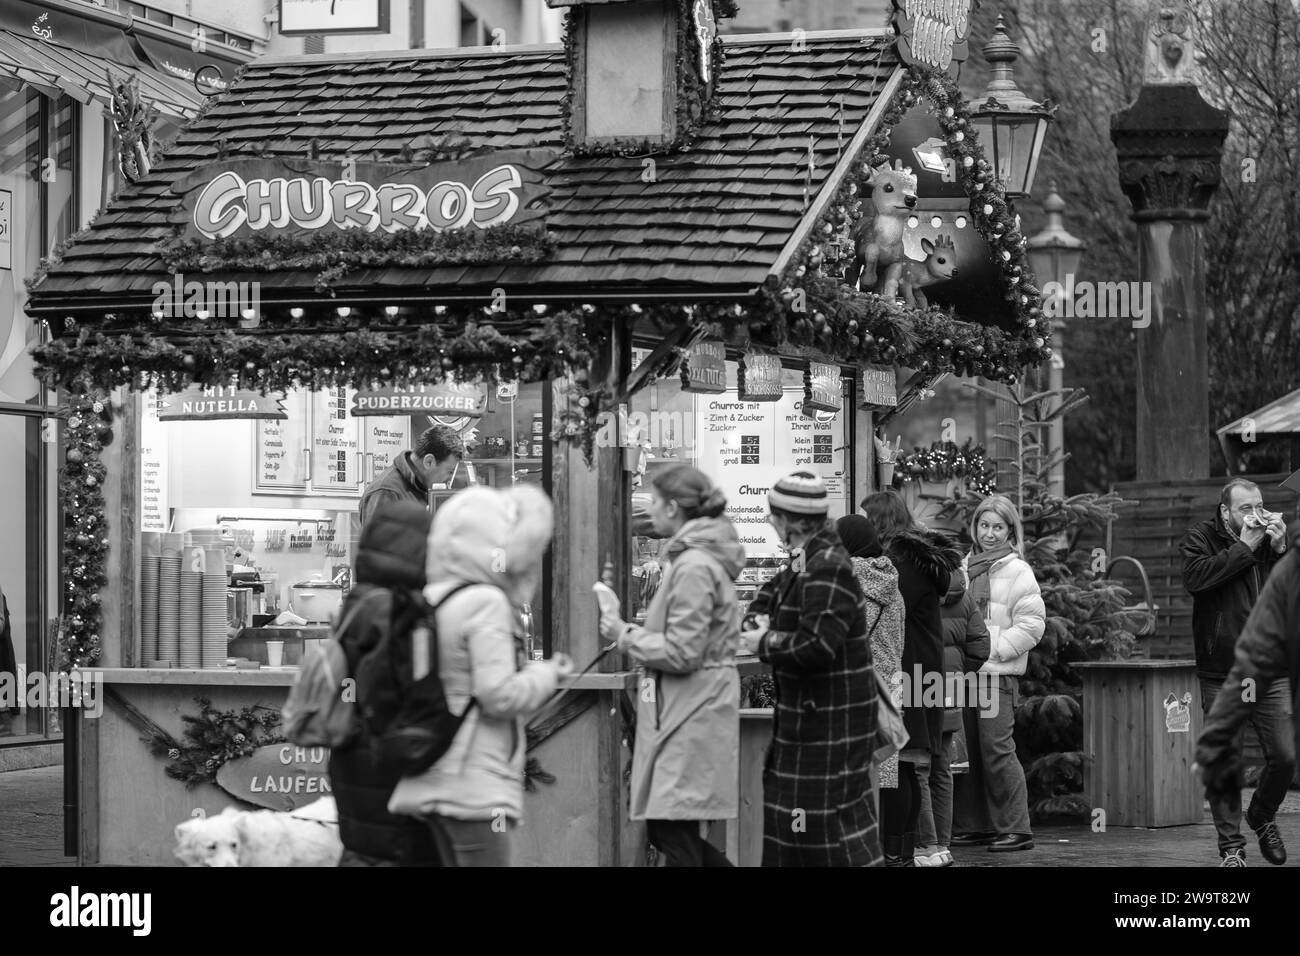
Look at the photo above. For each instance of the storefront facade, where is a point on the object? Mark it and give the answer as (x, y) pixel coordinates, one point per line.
(588, 289)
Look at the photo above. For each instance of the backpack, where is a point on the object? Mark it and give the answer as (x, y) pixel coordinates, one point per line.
(399, 690)
(320, 711)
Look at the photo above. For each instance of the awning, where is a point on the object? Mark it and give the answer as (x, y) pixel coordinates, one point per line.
(181, 64)
(1279, 417)
(84, 76)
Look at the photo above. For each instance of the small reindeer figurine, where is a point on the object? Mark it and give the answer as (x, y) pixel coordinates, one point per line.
(940, 263)
(879, 242)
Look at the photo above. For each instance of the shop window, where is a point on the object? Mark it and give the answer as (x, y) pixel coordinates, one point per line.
(744, 447)
(282, 495)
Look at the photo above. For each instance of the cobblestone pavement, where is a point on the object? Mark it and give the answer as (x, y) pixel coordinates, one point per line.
(31, 834)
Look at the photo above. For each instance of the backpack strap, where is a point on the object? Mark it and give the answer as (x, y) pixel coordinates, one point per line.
(433, 613)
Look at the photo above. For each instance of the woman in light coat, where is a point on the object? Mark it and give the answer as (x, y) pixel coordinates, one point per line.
(992, 802)
(685, 763)
(484, 564)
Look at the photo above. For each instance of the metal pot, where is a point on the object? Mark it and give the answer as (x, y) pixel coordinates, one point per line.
(317, 601)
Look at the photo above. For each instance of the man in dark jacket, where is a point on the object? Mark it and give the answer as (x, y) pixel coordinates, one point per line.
(1268, 652)
(433, 461)
(390, 559)
(1225, 563)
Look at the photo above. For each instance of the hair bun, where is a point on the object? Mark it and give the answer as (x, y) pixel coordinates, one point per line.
(714, 502)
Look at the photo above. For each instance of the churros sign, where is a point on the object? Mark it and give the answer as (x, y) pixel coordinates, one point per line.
(281, 195)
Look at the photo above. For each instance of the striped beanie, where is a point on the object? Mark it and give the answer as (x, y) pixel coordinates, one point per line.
(801, 493)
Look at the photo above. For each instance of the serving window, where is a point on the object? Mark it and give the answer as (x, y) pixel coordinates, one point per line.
(743, 446)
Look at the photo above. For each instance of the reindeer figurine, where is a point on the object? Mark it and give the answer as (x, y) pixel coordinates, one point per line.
(940, 263)
(879, 243)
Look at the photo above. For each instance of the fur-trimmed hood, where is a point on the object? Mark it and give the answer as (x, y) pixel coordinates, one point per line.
(932, 553)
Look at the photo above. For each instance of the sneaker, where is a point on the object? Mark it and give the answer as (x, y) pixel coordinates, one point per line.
(1271, 846)
(1235, 858)
(928, 859)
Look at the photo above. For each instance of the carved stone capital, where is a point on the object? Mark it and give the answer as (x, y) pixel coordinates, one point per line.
(1169, 187)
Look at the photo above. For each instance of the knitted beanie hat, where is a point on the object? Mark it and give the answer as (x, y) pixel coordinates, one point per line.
(801, 493)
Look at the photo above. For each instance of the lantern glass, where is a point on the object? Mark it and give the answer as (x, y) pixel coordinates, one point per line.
(1012, 143)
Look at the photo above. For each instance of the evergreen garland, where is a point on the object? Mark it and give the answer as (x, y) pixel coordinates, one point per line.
(85, 536)
(214, 738)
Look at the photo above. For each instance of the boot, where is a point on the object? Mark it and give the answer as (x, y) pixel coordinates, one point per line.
(898, 851)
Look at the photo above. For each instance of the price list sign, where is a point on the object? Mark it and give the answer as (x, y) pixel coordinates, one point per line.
(822, 449)
(751, 452)
(335, 442)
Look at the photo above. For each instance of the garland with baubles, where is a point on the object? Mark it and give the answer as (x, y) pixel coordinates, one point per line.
(88, 428)
(694, 106)
(945, 460)
(214, 738)
(850, 323)
(336, 254)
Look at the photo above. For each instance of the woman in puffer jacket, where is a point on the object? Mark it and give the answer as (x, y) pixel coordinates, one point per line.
(992, 801)
(484, 563)
(686, 762)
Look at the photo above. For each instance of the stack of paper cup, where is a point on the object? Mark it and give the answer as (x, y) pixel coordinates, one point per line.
(191, 654)
(214, 608)
(169, 598)
(150, 554)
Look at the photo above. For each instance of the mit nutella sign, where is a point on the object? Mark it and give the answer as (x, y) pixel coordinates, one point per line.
(276, 195)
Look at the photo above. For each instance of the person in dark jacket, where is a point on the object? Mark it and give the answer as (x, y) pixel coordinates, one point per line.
(8, 665)
(925, 561)
(1268, 652)
(966, 645)
(812, 624)
(389, 577)
(1225, 563)
(433, 461)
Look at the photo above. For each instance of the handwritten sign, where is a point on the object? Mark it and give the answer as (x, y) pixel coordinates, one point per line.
(465, 400)
(759, 378)
(278, 777)
(705, 368)
(277, 196)
(823, 388)
(879, 386)
(219, 404)
(932, 33)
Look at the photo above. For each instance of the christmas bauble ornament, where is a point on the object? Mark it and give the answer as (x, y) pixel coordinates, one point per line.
(98, 407)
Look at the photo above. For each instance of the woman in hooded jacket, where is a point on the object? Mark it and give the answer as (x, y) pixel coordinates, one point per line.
(484, 564)
(685, 765)
(925, 561)
(878, 579)
(992, 802)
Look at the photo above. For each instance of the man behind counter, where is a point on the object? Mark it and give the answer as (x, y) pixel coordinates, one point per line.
(434, 459)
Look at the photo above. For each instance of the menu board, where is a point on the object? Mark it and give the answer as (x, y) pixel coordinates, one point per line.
(746, 446)
(386, 438)
(335, 443)
(281, 447)
(153, 467)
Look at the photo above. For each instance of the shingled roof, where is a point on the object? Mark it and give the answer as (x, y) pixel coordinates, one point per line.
(715, 219)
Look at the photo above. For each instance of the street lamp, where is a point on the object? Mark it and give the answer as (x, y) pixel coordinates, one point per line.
(1054, 256)
(1011, 126)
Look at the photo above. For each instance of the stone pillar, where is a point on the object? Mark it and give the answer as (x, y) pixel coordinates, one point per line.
(1169, 144)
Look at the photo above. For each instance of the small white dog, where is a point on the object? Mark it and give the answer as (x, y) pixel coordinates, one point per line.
(306, 837)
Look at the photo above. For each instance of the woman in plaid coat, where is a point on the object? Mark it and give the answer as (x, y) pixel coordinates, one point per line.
(812, 625)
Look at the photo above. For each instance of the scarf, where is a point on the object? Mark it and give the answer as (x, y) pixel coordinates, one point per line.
(977, 568)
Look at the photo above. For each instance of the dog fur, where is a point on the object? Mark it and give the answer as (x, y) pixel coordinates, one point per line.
(306, 837)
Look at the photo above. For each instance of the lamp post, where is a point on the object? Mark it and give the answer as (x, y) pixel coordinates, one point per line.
(1010, 125)
(1054, 255)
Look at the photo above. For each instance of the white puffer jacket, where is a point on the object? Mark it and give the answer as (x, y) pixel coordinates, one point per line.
(1016, 610)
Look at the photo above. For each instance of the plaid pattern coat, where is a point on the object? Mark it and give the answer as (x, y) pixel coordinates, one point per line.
(818, 806)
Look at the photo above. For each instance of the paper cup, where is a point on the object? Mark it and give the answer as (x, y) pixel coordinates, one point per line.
(275, 653)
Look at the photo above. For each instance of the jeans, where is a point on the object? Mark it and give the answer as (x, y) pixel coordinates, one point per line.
(472, 842)
(681, 844)
(993, 797)
(1271, 719)
(935, 826)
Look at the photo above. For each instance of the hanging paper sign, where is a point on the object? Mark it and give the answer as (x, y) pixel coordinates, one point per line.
(823, 389)
(278, 777)
(278, 196)
(759, 378)
(932, 33)
(1178, 714)
(879, 386)
(219, 404)
(464, 400)
(705, 368)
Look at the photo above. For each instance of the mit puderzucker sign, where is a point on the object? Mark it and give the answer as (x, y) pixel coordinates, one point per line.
(283, 196)
(462, 401)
